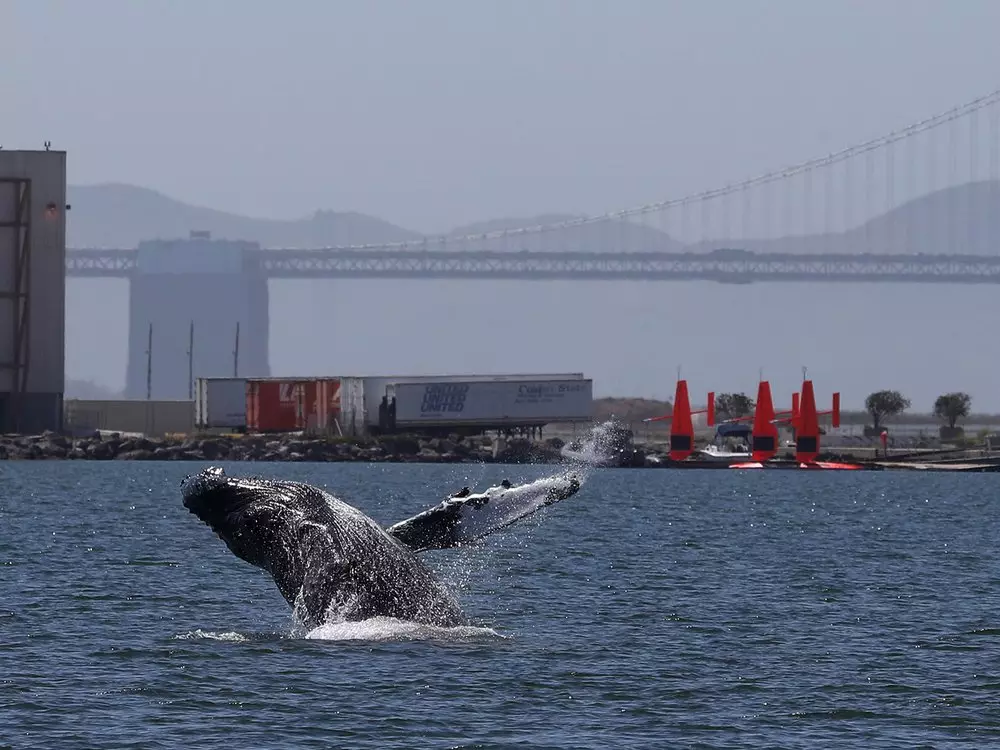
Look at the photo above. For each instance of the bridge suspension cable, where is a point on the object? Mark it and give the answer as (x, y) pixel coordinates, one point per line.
(785, 173)
(842, 203)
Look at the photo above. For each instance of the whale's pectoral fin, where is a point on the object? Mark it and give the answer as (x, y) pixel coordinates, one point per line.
(470, 516)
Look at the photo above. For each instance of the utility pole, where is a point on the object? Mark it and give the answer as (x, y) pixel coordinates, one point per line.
(149, 365)
(191, 363)
(236, 352)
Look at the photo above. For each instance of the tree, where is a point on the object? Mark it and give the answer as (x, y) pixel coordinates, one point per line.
(884, 404)
(952, 406)
(733, 405)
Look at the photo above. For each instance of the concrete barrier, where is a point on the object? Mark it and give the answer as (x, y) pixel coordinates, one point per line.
(151, 418)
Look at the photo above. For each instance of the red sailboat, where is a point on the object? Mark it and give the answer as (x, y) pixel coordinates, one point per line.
(681, 424)
(804, 419)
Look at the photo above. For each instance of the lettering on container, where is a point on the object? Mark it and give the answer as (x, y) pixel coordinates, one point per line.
(290, 393)
(444, 397)
(497, 400)
(545, 392)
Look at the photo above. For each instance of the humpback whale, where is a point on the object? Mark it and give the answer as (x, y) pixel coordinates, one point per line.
(331, 562)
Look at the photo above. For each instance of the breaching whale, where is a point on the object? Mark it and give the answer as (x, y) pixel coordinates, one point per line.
(331, 562)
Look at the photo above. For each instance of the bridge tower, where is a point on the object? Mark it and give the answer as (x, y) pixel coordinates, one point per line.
(214, 284)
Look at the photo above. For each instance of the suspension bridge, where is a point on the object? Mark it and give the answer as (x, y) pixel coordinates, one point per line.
(920, 204)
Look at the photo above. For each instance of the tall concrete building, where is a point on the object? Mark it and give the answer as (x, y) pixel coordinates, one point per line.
(32, 289)
(212, 284)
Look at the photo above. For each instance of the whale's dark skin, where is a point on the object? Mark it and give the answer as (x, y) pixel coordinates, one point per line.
(330, 561)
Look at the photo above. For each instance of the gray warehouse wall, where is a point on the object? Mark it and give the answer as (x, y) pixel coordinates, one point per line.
(39, 412)
(41, 402)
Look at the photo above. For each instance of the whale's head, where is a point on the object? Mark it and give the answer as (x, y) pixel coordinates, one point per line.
(211, 495)
(239, 510)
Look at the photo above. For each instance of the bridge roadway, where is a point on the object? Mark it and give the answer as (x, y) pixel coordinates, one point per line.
(728, 266)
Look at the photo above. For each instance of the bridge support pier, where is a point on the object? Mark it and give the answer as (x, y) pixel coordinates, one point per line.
(215, 301)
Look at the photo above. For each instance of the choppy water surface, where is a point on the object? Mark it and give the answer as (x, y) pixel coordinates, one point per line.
(654, 609)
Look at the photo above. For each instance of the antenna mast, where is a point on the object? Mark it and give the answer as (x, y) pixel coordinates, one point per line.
(149, 365)
(236, 352)
(191, 363)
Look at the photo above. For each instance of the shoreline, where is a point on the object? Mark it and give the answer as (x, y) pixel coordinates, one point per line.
(410, 449)
(283, 448)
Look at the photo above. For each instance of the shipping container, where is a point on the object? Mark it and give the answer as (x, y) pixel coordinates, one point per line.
(352, 406)
(220, 403)
(374, 386)
(342, 406)
(488, 404)
(275, 405)
(323, 405)
(293, 405)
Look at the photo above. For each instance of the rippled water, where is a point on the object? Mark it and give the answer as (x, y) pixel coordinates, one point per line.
(654, 609)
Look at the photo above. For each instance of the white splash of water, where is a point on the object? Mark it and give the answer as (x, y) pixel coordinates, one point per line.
(376, 629)
(391, 629)
(604, 445)
(208, 635)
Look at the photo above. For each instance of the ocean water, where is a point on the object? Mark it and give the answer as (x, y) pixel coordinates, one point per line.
(654, 609)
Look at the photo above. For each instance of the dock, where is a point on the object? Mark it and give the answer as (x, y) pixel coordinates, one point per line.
(985, 465)
(978, 466)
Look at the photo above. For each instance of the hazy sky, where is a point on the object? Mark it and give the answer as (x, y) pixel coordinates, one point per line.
(443, 112)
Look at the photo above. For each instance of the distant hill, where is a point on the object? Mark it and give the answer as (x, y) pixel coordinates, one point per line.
(499, 225)
(123, 215)
(630, 410)
(958, 220)
(961, 220)
(600, 236)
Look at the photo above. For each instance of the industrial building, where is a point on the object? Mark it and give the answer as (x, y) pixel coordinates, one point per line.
(32, 289)
(188, 299)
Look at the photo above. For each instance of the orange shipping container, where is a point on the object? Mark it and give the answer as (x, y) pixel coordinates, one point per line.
(276, 405)
(292, 405)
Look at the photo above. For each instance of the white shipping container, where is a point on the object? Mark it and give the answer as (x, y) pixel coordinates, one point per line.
(533, 402)
(375, 386)
(220, 402)
(352, 406)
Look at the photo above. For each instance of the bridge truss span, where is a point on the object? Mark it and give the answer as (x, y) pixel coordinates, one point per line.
(732, 266)
(100, 263)
(721, 266)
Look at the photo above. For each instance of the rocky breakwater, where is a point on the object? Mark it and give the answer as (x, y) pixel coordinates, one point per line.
(395, 448)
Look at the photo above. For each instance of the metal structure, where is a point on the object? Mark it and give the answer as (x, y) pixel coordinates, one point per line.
(919, 205)
(724, 266)
(835, 218)
(32, 289)
(19, 297)
(186, 298)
